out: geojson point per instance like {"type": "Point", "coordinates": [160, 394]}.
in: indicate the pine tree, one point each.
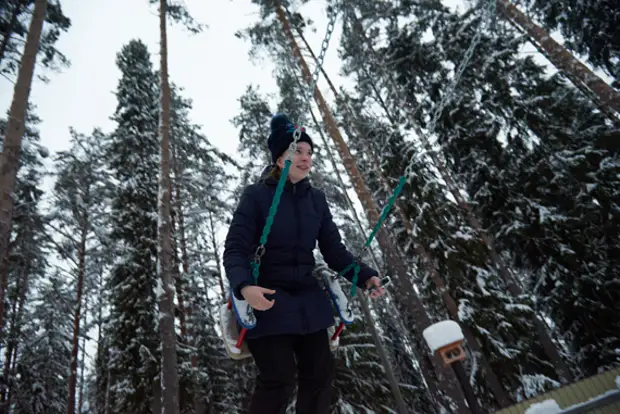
{"type": "Point", "coordinates": [78, 208]}
{"type": "Point", "coordinates": [589, 82]}
{"type": "Point", "coordinates": [13, 29]}
{"type": "Point", "coordinates": [132, 153]}
{"type": "Point", "coordinates": [253, 124]}
{"type": "Point", "coordinates": [16, 125]}
{"type": "Point", "coordinates": [25, 261]}
{"type": "Point", "coordinates": [167, 267]}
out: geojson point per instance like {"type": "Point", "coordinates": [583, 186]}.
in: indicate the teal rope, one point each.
{"type": "Point", "coordinates": [272, 213]}
{"type": "Point", "coordinates": [355, 265]}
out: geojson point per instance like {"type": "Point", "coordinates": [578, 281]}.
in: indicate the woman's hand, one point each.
{"type": "Point", "coordinates": [374, 286]}
{"type": "Point", "coordinates": [254, 295]}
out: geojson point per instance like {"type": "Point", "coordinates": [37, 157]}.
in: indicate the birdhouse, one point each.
{"type": "Point", "coordinates": [445, 339]}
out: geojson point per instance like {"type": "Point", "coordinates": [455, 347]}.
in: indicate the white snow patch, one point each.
{"type": "Point", "coordinates": [442, 333]}
{"type": "Point", "coordinates": [545, 407]}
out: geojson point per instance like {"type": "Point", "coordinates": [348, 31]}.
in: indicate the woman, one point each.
{"type": "Point", "coordinates": [291, 309]}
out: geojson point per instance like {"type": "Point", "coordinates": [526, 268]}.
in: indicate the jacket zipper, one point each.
{"type": "Point", "coordinates": [297, 223]}
{"type": "Point", "coordinates": [304, 317]}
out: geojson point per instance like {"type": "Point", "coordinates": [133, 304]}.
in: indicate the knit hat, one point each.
{"type": "Point", "coordinates": [282, 130]}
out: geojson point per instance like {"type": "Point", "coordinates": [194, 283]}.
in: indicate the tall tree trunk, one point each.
{"type": "Point", "coordinates": [501, 396]}
{"type": "Point", "coordinates": [170, 379]}
{"type": "Point", "coordinates": [188, 328]}
{"type": "Point", "coordinates": [76, 319]}
{"type": "Point", "coordinates": [178, 277]}
{"type": "Point", "coordinates": [606, 97]}
{"type": "Point", "coordinates": [561, 368]}
{"type": "Point", "coordinates": [14, 335]}
{"type": "Point", "coordinates": [4, 281]}
{"type": "Point", "coordinates": [80, 407]}
{"type": "Point", "coordinates": [102, 374]}
{"type": "Point", "coordinates": [176, 274]}
{"type": "Point", "coordinates": [11, 147]}
{"type": "Point", "coordinates": [441, 380]}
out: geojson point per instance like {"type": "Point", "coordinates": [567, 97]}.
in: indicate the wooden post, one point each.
{"type": "Point", "coordinates": [445, 339]}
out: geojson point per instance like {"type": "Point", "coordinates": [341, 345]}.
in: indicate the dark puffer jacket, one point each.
{"type": "Point", "coordinates": [303, 218]}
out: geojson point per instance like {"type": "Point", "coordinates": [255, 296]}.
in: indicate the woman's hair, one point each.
{"type": "Point", "coordinates": [275, 172]}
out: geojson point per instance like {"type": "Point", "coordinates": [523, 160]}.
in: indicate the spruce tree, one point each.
{"type": "Point", "coordinates": [44, 357]}
{"type": "Point", "coordinates": [567, 222]}
{"type": "Point", "coordinates": [77, 214]}
{"type": "Point", "coordinates": [133, 159]}
{"type": "Point", "coordinates": [567, 157]}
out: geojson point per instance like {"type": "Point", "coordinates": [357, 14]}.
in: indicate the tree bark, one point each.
{"type": "Point", "coordinates": [13, 339]}
{"type": "Point", "coordinates": [11, 147]}
{"type": "Point", "coordinates": [170, 379]}
{"type": "Point", "coordinates": [606, 97]}
{"type": "Point", "coordinates": [4, 281]}
{"type": "Point", "coordinates": [441, 381]}
{"type": "Point", "coordinates": [77, 318]}
{"type": "Point", "coordinates": [80, 406]}
{"type": "Point", "coordinates": [176, 274]}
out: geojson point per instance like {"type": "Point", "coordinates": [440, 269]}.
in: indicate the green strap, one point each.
{"type": "Point", "coordinates": [272, 213]}
{"type": "Point", "coordinates": [355, 265]}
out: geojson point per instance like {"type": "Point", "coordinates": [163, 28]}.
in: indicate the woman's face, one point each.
{"type": "Point", "coordinates": [301, 162]}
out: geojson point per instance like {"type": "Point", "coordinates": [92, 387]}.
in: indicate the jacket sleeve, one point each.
{"type": "Point", "coordinates": [239, 242]}
{"type": "Point", "coordinates": [335, 253]}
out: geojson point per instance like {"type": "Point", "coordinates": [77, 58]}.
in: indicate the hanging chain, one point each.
{"type": "Point", "coordinates": [488, 12]}
{"type": "Point", "coordinates": [260, 250]}
{"type": "Point", "coordinates": [315, 76]}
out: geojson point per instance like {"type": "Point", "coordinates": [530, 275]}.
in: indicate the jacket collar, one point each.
{"type": "Point", "coordinates": [271, 181]}
{"type": "Point", "coordinates": [300, 185]}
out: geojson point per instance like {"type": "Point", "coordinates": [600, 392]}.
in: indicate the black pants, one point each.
{"type": "Point", "coordinates": [278, 359]}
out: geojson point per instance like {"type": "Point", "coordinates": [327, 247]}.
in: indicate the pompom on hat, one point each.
{"type": "Point", "coordinates": [281, 136]}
